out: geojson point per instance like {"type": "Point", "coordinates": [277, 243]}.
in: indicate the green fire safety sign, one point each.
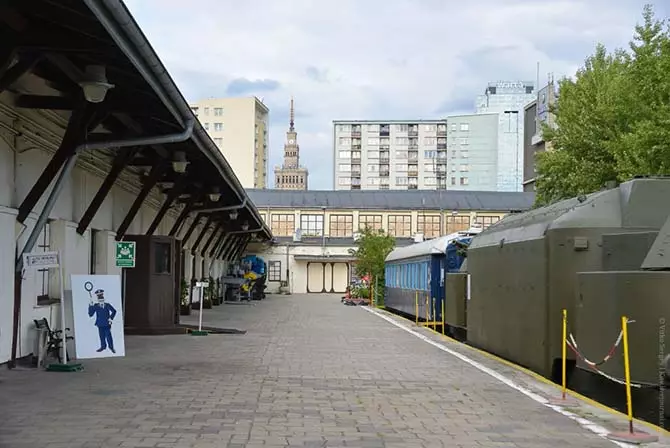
{"type": "Point", "coordinates": [125, 254]}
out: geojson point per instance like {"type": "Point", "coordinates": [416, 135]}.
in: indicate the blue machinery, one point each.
{"type": "Point", "coordinates": [415, 276]}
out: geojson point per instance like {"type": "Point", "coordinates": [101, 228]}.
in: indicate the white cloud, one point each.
{"type": "Point", "coordinates": [372, 59]}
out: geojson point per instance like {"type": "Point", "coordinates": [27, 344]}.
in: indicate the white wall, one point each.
{"type": "Point", "coordinates": [22, 160]}
{"type": "Point", "coordinates": [7, 220]}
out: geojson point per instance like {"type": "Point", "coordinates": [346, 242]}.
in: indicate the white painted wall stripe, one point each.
{"type": "Point", "coordinates": [585, 423]}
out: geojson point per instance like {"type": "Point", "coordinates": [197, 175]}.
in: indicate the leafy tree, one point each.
{"type": "Point", "coordinates": [371, 250]}
{"type": "Point", "coordinates": [612, 120]}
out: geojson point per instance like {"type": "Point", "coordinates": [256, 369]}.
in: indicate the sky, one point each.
{"type": "Point", "coordinates": [372, 59]}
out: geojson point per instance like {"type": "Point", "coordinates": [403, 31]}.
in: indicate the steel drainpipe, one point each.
{"type": "Point", "coordinates": [51, 201]}
{"type": "Point", "coordinates": [246, 231]}
{"type": "Point", "coordinates": [223, 209]}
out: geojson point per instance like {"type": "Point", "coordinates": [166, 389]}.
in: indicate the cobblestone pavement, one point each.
{"type": "Point", "coordinates": [309, 372]}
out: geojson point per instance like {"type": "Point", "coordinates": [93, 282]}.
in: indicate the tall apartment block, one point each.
{"type": "Point", "coordinates": [390, 155]}
{"type": "Point", "coordinates": [239, 127]}
{"type": "Point", "coordinates": [457, 153]}
{"type": "Point", "coordinates": [508, 99]}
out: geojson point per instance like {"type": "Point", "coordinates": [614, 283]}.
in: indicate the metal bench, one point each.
{"type": "Point", "coordinates": [50, 341]}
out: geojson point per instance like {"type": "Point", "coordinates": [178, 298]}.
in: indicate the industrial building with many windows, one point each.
{"type": "Point", "coordinates": [314, 231]}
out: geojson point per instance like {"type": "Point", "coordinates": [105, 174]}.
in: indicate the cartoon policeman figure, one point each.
{"type": "Point", "coordinates": [104, 315]}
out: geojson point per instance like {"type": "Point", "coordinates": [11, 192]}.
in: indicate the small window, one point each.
{"type": "Point", "coordinates": [274, 271]}
{"type": "Point", "coordinates": [162, 258]}
{"type": "Point", "coordinates": [465, 127]}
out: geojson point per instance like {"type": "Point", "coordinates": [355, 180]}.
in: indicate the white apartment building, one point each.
{"type": "Point", "coordinates": [239, 127]}
{"type": "Point", "coordinates": [390, 155]}
{"type": "Point", "coordinates": [508, 99]}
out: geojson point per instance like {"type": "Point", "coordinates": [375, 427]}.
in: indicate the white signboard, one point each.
{"type": "Point", "coordinates": [98, 316]}
{"type": "Point", "coordinates": [40, 260]}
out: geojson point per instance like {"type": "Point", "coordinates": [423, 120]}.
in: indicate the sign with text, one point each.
{"type": "Point", "coordinates": [43, 260]}
{"type": "Point", "coordinates": [125, 254]}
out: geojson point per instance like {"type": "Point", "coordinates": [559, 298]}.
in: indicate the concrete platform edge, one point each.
{"type": "Point", "coordinates": [538, 397]}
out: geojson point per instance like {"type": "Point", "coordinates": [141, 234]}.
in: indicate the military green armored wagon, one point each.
{"type": "Point", "coordinates": [599, 256]}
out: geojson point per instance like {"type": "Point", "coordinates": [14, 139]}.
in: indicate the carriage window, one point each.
{"type": "Point", "coordinates": [487, 221]}
{"type": "Point", "coordinates": [429, 226]}
{"type": "Point", "coordinates": [282, 224]}
{"type": "Point", "coordinates": [400, 225]}
{"type": "Point", "coordinates": [457, 223]}
{"type": "Point", "coordinates": [311, 225]}
{"type": "Point", "coordinates": [341, 225]}
{"type": "Point", "coordinates": [374, 222]}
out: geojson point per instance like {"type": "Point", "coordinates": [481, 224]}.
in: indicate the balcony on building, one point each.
{"type": "Point", "coordinates": [384, 130]}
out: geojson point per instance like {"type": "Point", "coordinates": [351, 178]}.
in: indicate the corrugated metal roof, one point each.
{"type": "Point", "coordinates": [394, 199]}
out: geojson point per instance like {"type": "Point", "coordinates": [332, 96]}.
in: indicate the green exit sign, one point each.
{"type": "Point", "coordinates": [125, 254]}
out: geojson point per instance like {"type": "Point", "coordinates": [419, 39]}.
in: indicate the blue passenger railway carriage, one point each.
{"type": "Point", "coordinates": [418, 271]}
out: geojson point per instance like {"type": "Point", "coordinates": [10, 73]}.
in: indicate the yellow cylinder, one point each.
{"type": "Point", "coordinates": [434, 316]}
{"type": "Point", "coordinates": [443, 321]}
{"type": "Point", "coordinates": [564, 349]}
{"type": "Point", "coordinates": [626, 365]}
{"type": "Point", "coordinates": [416, 307]}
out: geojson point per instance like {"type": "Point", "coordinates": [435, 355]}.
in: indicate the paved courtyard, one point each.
{"type": "Point", "coordinates": [309, 372]}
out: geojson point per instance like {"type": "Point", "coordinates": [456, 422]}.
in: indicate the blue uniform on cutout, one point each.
{"type": "Point", "coordinates": [104, 315]}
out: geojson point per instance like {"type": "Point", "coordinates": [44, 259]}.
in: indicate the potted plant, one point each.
{"type": "Point", "coordinates": [207, 296]}
{"type": "Point", "coordinates": [214, 291]}
{"type": "Point", "coordinates": [184, 308]}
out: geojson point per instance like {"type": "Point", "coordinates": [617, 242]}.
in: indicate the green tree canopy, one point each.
{"type": "Point", "coordinates": [612, 119]}
{"type": "Point", "coordinates": [371, 250]}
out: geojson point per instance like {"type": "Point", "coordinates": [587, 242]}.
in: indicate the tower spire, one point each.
{"type": "Point", "coordinates": [292, 116]}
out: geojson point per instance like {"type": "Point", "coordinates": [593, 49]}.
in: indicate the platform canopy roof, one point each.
{"type": "Point", "coordinates": [48, 48]}
{"type": "Point", "coordinates": [492, 201]}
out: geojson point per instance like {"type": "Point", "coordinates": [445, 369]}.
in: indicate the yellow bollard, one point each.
{"type": "Point", "coordinates": [564, 350]}
{"type": "Point", "coordinates": [434, 316]}
{"type": "Point", "coordinates": [626, 365]}
{"type": "Point", "coordinates": [416, 307]}
{"type": "Point", "coordinates": [427, 310]}
{"type": "Point", "coordinates": [637, 437]}
{"type": "Point", "coordinates": [443, 321]}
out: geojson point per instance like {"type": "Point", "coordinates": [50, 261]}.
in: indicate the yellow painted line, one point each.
{"type": "Point", "coordinates": [544, 380]}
